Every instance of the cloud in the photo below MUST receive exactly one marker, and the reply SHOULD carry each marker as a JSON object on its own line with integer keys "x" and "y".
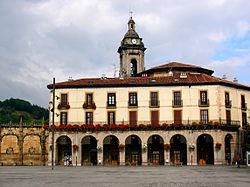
{"x": 60, "y": 38}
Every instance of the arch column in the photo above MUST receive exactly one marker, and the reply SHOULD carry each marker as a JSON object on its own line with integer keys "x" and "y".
{"x": 144, "y": 155}
{"x": 167, "y": 157}
{"x": 122, "y": 156}
{"x": 100, "y": 154}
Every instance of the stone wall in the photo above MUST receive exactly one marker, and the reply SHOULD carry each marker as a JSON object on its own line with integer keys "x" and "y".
{"x": 23, "y": 144}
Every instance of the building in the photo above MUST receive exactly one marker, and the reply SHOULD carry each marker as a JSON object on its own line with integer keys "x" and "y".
{"x": 174, "y": 113}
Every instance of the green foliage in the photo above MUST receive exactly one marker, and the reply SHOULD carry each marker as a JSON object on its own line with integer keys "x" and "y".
{"x": 13, "y": 110}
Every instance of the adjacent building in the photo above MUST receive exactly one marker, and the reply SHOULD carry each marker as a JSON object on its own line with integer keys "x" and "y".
{"x": 174, "y": 113}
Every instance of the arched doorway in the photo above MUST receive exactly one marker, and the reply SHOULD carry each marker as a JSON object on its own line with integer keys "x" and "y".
{"x": 156, "y": 150}
{"x": 133, "y": 149}
{"x": 64, "y": 149}
{"x": 133, "y": 67}
{"x": 111, "y": 150}
{"x": 228, "y": 156}
{"x": 178, "y": 150}
{"x": 205, "y": 149}
{"x": 89, "y": 151}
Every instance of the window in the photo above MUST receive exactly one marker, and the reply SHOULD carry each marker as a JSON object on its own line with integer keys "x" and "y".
{"x": 132, "y": 118}
{"x": 64, "y": 99}
{"x": 177, "y": 99}
{"x": 204, "y": 116}
{"x": 243, "y": 103}
{"x": 244, "y": 119}
{"x": 63, "y": 118}
{"x": 154, "y": 99}
{"x": 89, "y": 118}
{"x": 111, "y": 118}
{"x": 111, "y": 99}
{"x": 203, "y": 99}
{"x": 227, "y": 100}
{"x": 89, "y": 99}
{"x": 228, "y": 117}
{"x": 177, "y": 117}
{"x": 133, "y": 99}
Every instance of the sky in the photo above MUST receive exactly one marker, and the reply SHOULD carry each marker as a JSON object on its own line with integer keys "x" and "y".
{"x": 42, "y": 39}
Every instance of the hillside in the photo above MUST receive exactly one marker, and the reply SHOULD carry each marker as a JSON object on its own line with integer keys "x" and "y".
{"x": 12, "y": 110}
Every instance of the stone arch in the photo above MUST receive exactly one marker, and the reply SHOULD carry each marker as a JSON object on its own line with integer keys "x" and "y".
{"x": 205, "y": 149}
{"x": 63, "y": 148}
{"x": 32, "y": 144}
{"x": 133, "y": 66}
{"x": 155, "y": 150}
{"x": 89, "y": 150}
{"x": 178, "y": 149}
{"x": 133, "y": 150}
{"x": 111, "y": 150}
{"x": 228, "y": 150}
{"x": 9, "y": 144}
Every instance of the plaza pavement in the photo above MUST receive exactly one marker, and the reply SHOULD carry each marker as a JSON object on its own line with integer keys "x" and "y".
{"x": 100, "y": 176}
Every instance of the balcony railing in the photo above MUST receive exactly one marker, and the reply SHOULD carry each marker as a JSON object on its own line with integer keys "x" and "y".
{"x": 203, "y": 103}
{"x": 89, "y": 105}
{"x": 243, "y": 106}
{"x": 154, "y": 104}
{"x": 228, "y": 104}
{"x": 63, "y": 106}
{"x": 177, "y": 103}
{"x": 146, "y": 125}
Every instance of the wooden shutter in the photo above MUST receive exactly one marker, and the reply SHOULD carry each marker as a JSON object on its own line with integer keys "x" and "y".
{"x": 154, "y": 118}
{"x": 132, "y": 118}
{"x": 177, "y": 117}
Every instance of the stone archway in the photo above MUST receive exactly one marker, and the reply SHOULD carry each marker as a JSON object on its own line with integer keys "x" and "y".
{"x": 111, "y": 150}
{"x": 205, "y": 149}
{"x": 64, "y": 148}
{"x": 89, "y": 151}
{"x": 178, "y": 150}
{"x": 155, "y": 150}
{"x": 133, "y": 150}
{"x": 228, "y": 151}
{"x": 133, "y": 66}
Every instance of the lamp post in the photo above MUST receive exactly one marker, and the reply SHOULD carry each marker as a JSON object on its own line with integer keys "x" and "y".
{"x": 53, "y": 124}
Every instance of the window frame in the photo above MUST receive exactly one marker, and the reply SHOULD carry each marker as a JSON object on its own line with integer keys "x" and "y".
{"x": 204, "y": 116}
{"x": 111, "y": 99}
{"x": 133, "y": 99}
{"x": 89, "y": 119}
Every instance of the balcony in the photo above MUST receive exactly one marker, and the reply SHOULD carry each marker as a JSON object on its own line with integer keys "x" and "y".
{"x": 89, "y": 105}
{"x": 154, "y": 104}
{"x": 203, "y": 103}
{"x": 64, "y": 106}
{"x": 177, "y": 103}
{"x": 243, "y": 106}
{"x": 228, "y": 104}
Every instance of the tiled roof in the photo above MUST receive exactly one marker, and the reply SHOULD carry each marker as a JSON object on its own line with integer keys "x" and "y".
{"x": 173, "y": 66}
{"x": 175, "y": 80}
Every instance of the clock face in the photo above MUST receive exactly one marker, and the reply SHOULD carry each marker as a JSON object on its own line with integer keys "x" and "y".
{"x": 133, "y": 41}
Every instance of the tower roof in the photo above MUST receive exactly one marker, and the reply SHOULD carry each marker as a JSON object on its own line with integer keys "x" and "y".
{"x": 131, "y": 33}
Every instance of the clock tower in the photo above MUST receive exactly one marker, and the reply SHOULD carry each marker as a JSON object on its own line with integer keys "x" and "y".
{"x": 131, "y": 52}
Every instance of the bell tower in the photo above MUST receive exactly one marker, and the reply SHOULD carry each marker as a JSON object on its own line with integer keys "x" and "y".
{"x": 131, "y": 52}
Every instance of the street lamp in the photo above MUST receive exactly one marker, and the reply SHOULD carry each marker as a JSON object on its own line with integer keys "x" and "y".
{"x": 53, "y": 124}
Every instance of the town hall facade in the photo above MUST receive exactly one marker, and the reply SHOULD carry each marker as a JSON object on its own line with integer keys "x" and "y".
{"x": 171, "y": 114}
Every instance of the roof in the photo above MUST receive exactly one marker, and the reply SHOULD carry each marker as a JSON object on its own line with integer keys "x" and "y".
{"x": 176, "y": 66}
{"x": 175, "y": 80}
